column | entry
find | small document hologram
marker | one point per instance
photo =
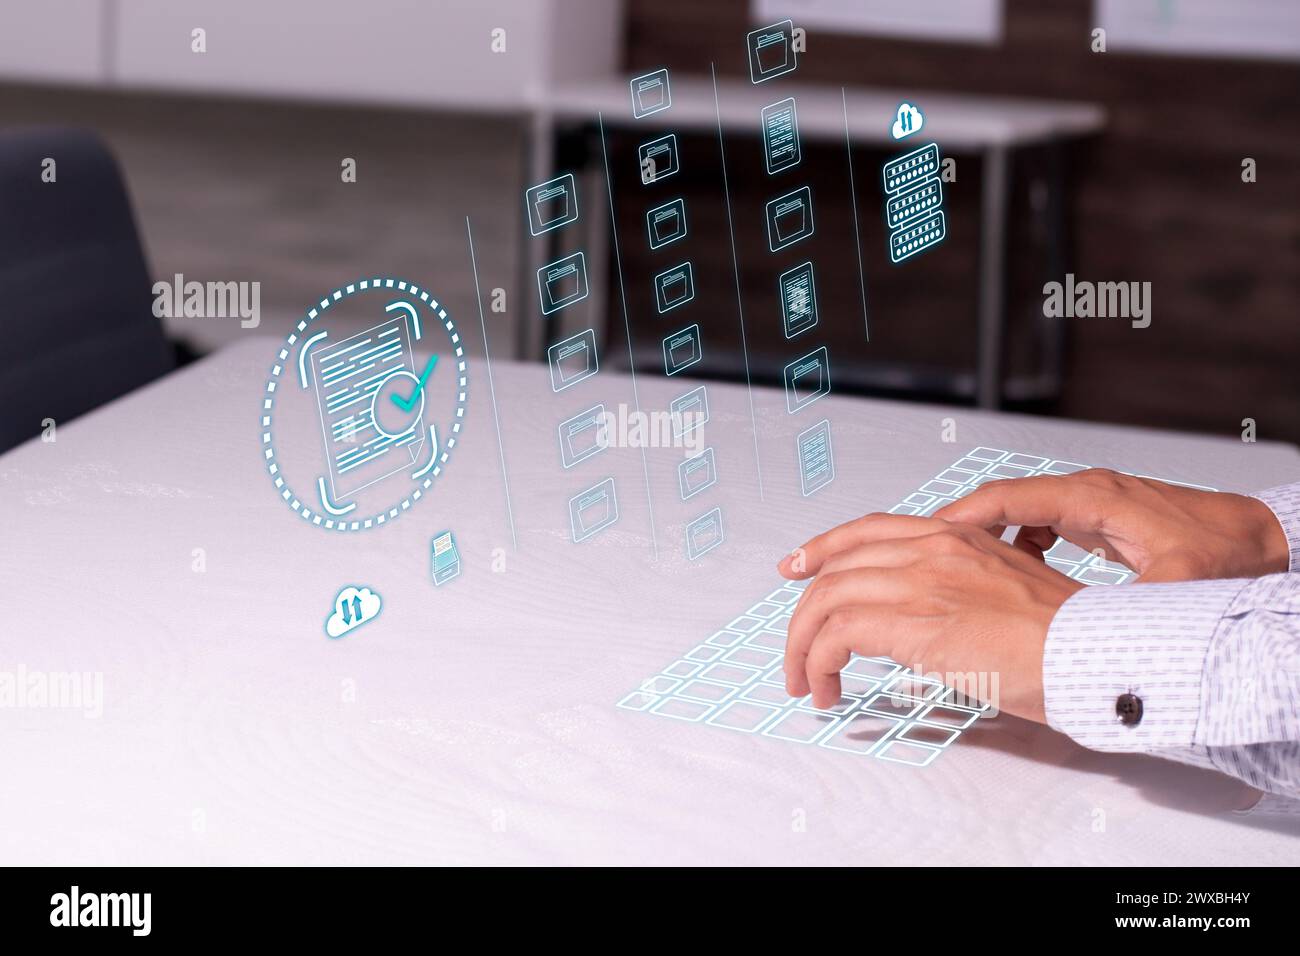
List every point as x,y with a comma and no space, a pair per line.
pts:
734,678
348,377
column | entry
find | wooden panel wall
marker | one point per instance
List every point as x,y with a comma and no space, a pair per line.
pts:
1157,198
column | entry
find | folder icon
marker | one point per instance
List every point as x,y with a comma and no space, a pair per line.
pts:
807,379
666,223
552,204
593,510
704,534
689,411
573,360
584,435
562,283
789,218
674,287
697,473
650,93
772,52
658,158
681,349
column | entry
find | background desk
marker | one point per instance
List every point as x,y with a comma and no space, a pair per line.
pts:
483,728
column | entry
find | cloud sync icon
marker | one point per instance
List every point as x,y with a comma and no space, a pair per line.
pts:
908,121
353,607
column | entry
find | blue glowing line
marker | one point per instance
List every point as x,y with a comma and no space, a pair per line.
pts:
627,327
853,202
735,270
492,391
302,355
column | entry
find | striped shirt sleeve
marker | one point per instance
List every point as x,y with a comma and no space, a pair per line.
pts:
1215,663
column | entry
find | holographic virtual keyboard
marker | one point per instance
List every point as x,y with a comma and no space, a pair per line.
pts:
734,679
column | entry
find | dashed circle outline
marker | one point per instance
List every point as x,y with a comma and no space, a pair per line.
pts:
268,406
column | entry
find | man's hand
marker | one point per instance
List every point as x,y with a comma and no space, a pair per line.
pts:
1163,532
927,593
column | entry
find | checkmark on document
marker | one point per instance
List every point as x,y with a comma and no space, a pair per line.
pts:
406,404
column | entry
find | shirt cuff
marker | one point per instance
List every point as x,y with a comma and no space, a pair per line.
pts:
1284,502
1150,640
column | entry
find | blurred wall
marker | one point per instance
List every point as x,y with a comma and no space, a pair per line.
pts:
1158,197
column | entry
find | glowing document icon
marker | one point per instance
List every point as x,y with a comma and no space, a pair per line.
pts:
807,379
658,159
583,436
666,223
552,204
350,380
593,510
816,461
789,219
697,473
650,93
562,283
798,300
780,136
771,51
704,534
573,360
682,349
674,287
446,558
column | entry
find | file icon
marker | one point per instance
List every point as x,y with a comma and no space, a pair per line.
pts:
816,461
658,159
704,534
583,436
552,204
682,350
650,93
807,379
798,300
562,283
771,51
573,360
666,223
780,136
697,473
593,510
689,411
674,287
789,219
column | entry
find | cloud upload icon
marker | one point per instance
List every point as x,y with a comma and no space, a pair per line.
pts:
907,122
353,607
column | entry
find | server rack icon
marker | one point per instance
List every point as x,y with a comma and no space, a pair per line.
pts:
914,201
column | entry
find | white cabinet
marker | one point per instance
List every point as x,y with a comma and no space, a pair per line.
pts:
60,41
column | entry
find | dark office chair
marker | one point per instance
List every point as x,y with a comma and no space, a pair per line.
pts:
76,321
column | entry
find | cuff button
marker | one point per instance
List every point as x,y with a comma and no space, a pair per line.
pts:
1128,708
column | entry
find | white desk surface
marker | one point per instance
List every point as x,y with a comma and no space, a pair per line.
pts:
956,120
483,728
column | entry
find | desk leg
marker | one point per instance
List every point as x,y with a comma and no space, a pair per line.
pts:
992,283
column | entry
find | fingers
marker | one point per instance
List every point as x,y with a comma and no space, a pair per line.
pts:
858,588
807,560
1043,502
869,631
1035,541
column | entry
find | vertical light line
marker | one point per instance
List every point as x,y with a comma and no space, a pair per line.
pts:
627,330
735,268
853,200
492,389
